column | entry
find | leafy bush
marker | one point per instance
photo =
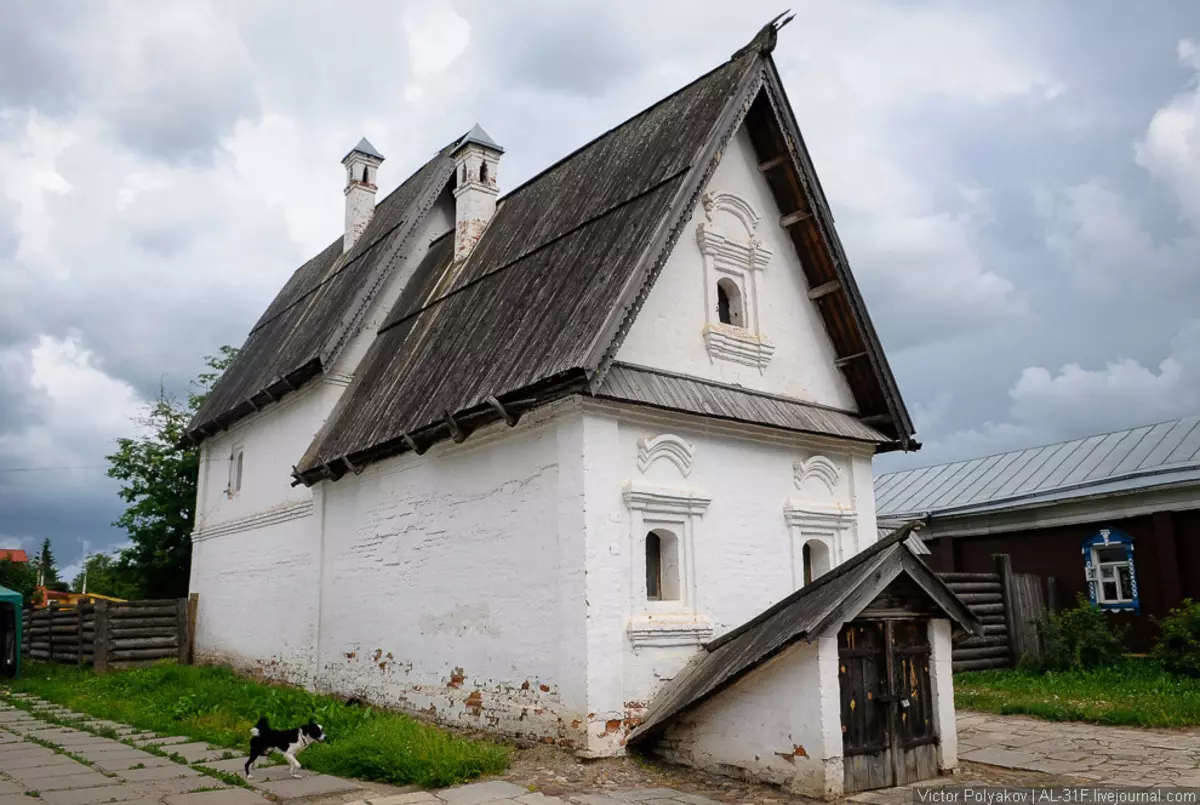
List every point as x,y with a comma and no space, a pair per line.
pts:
1080,639
1178,648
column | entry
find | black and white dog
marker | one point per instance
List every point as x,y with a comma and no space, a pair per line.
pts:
264,741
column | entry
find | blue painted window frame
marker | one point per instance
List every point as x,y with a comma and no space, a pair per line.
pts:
1108,537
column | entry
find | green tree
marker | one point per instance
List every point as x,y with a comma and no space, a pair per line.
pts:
19,577
44,565
158,473
106,575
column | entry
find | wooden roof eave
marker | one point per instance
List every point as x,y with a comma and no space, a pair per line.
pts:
455,425
819,217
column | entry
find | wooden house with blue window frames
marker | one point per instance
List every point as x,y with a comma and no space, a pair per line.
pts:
1113,517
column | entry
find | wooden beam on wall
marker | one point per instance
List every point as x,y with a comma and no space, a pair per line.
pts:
794,218
849,359
824,289
773,162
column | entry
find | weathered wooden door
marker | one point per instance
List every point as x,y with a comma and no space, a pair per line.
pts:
888,735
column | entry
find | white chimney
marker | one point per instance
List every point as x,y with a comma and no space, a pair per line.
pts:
476,160
362,165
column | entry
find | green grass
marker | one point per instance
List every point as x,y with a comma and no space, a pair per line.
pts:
217,706
1138,693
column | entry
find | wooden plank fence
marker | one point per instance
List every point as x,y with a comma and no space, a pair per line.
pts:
109,634
1007,604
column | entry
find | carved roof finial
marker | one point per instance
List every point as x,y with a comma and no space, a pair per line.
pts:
764,41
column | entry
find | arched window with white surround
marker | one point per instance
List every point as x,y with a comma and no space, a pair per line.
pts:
815,560
663,524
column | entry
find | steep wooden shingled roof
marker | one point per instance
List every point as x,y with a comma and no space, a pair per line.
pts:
307,324
540,307
806,614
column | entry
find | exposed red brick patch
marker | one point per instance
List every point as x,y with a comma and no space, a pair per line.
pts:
457,677
475,702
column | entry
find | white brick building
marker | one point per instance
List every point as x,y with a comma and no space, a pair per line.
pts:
511,462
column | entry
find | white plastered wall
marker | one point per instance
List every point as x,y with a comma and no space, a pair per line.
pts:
669,332
779,724
726,492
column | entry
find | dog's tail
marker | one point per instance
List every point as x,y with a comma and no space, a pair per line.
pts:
257,729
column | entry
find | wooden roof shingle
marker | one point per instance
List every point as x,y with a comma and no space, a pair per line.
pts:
540,306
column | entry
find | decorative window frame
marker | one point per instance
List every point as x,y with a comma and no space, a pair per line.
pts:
827,525
740,260
674,622
1107,538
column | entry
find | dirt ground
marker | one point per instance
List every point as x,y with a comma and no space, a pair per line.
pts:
555,772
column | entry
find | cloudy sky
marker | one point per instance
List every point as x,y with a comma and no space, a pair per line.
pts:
1017,185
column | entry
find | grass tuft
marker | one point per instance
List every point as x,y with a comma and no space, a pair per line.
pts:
1136,693
217,706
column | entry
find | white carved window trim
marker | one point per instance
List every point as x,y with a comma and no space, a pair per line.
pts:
828,525
669,447
674,622
740,261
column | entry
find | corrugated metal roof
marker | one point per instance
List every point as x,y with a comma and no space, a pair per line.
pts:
1107,463
693,395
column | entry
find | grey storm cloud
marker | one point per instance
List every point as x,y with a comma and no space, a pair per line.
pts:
989,168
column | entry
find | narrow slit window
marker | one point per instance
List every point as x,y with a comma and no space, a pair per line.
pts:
483,172
729,303
663,573
653,567
806,558
237,481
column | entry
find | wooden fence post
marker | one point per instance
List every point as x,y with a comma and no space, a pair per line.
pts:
1016,630
79,632
193,604
103,641
181,630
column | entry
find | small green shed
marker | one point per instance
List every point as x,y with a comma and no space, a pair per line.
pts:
11,603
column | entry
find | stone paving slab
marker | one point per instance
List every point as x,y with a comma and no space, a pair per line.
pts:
1115,755
316,785
91,796
123,763
10,788
235,765
195,752
19,765
88,779
230,796
159,740
16,799
159,773
481,793
413,798
266,774
55,770
121,753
